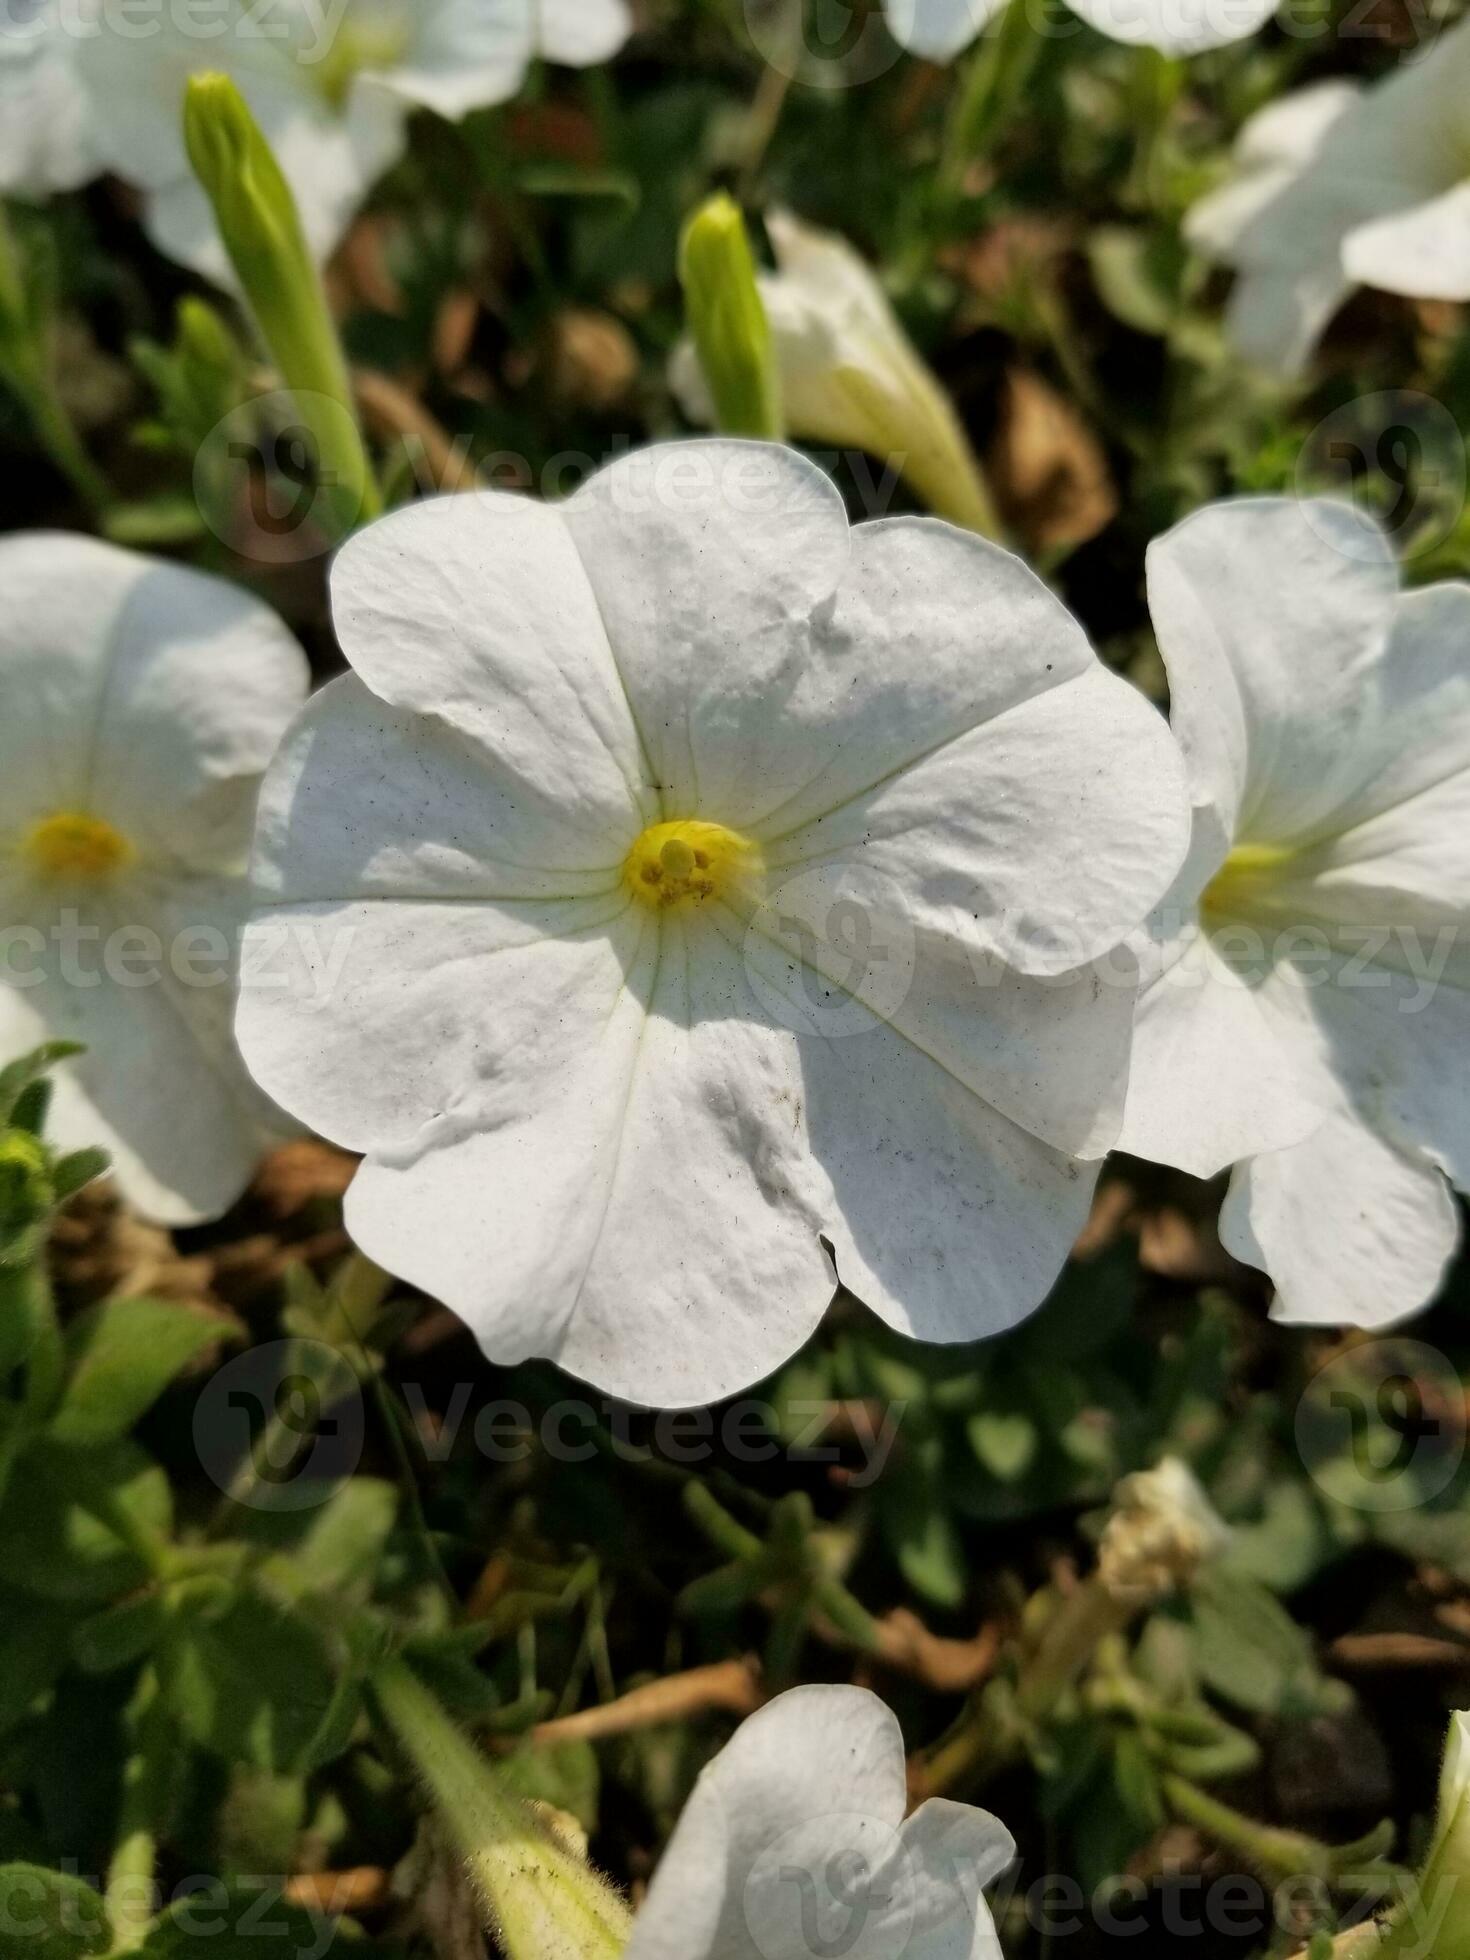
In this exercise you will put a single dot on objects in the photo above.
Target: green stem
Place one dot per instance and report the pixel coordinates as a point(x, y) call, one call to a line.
point(58, 436)
point(131, 1890)
point(1280, 1854)
point(546, 1903)
point(992, 84)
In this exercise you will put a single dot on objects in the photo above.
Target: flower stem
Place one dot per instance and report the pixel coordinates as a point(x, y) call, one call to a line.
point(989, 91)
point(545, 1902)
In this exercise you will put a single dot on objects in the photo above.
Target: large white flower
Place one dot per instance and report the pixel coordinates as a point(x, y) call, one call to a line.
point(795, 1842)
point(1339, 186)
point(699, 875)
point(331, 85)
point(941, 29)
point(1309, 1017)
point(849, 374)
point(140, 705)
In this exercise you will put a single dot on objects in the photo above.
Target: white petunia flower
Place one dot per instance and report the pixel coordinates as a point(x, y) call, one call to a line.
point(332, 87)
point(700, 874)
point(1309, 1018)
point(940, 29)
point(45, 136)
point(140, 705)
point(849, 374)
point(1338, 187)
point(794, 1842)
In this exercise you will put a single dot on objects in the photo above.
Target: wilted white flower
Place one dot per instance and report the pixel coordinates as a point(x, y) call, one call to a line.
point(332, 87)
point(1309, 1015)
point(141, 703)
point(700, 874)
point(849, 374)
point(45, 137)
point(1162, 1529)
point(940, 29)
point(1339, 186)
point(795, 1842)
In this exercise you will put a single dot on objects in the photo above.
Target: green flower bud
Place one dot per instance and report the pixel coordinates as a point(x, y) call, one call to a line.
point(261, 230)
point(727, 321)
point(27, 1194)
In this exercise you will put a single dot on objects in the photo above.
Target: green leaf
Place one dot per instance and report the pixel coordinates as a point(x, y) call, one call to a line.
point(119, 1635)
point(53, 1540)
point(123, 1354)
point(51, 1916)
point(32, 1653)
point(254, 1684)
point(1005, 1444)
point(566, 1777)
point(1250, 1650)
point(18, 1076)
point(928, 1549)
point(243, 1921)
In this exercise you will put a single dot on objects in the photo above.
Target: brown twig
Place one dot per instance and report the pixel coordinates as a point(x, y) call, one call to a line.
point(367, 1888)
point(732, 1687)
point(392, 412)
point(1389, 1650)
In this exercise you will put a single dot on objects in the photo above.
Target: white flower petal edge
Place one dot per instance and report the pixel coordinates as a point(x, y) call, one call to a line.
point(811, 1786)
point(1337, 186)
point(1315, 958)
point(619, 1122)
point(940, 29)
point(142, 703)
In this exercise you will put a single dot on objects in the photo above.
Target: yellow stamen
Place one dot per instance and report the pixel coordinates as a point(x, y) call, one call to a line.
point(73, 846)
point(689, 862)
point(1245, 874)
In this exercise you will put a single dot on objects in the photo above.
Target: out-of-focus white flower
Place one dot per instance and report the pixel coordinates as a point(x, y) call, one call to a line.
point(1337, 187)
point(704, 871)
point(941, 29)
point(45, 136)
point(795, 1842)
point(331, 86)
point(850, 376)
point(1162, 1529)
point(141, 703)
point(1308, 1019)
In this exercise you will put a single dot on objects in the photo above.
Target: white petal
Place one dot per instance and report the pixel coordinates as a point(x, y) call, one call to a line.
point(637, 1201)
point(464, 54)
point(1177, 27)
point(1423, 253)
point(1270, 150)
point(475, 611)
point(1352, 1231)
point(581, 33)
point(1042, 836)
point(812, 1786)
point(161, 1087)
point(144, 693)
point(707, 560)
point(45, 140)
point(364, 800)
point(950, 1221)
point(934, 633)
point(938, 29)
point(1277, 315)
point(1271, 617)
point(1212, 1082)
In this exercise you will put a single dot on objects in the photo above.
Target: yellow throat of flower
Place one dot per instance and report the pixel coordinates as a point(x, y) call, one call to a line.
point(687, 863)
point(73, 847)
point(1244, 878)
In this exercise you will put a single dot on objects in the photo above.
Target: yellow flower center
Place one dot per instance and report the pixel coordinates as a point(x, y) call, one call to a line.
point(687, 862)
point(1243, 879)
point(70, 845)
